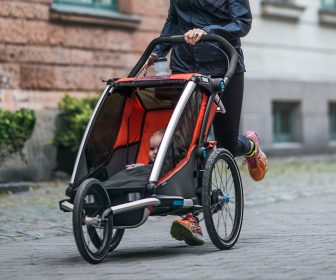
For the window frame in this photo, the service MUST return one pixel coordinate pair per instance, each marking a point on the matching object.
(326, 5)
(293, 121)
(287, 10)
(332, 121)
(74, 12)
(113, 6)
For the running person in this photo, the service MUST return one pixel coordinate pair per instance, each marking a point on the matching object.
(232, 20)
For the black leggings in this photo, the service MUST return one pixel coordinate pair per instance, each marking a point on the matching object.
(226, 126)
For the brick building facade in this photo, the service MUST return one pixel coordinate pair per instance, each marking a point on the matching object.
(48, 49)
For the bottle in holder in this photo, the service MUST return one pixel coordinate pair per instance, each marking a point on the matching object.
(161, 67)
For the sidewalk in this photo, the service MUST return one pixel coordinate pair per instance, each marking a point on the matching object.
(285, 240)
(289, 232)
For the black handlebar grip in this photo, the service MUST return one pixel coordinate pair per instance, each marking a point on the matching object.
(179, 39)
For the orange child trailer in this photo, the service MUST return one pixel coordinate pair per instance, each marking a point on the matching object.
(189, 174)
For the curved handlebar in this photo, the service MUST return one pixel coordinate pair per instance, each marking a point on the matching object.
(179, 39)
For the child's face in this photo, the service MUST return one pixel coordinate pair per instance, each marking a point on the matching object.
(154, 144)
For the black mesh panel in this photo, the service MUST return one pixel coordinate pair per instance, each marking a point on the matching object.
(104, 131)
(163, 97)
(183, 134)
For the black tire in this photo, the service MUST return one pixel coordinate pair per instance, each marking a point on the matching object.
(93, 242)
(222, 199)
(115, 240)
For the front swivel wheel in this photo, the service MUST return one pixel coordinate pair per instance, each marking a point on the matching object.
(92, 234)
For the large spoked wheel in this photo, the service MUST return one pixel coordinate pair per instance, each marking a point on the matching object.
(222, 199)
(92, 234)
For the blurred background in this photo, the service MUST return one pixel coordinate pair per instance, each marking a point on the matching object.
(53, 48)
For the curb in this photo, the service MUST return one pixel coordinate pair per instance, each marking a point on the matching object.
(15, 187)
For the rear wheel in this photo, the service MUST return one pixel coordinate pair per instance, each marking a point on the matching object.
(222, 199)
(92, 234)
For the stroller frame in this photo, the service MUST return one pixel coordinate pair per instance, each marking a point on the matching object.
(90, 201)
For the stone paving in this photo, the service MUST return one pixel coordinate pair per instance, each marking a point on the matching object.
(288, 237)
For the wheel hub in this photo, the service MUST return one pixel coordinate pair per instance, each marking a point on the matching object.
(219, 199)
(93, 221)
(224, 199)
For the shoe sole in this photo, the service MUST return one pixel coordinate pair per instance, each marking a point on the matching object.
(181, 232)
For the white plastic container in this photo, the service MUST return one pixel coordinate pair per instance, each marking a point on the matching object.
(161, 67)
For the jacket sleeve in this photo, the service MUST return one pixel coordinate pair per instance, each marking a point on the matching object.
(240, 24)
(169, 29)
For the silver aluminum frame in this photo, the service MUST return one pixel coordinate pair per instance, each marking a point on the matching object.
(220, 105)
(133, 205)
(125, 207)
(189, 89)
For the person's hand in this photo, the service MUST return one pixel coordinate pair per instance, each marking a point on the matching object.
(134, 165)
(194, 35)
(149, 62)
(151, 59)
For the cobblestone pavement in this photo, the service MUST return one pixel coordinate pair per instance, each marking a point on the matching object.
(286, 234)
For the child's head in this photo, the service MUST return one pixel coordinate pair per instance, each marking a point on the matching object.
(154, 144)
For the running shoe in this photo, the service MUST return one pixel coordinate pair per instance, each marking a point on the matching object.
(256, 159)
(188, 229)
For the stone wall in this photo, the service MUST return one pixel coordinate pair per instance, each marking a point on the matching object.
(47, 54)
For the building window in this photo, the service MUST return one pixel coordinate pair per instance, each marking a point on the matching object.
(286, 122)
(281, 9)
(329, 4)
(93, 12)
(332, 121)
(97, 4)
(327, 12)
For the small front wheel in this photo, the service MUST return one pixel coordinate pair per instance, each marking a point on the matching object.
(92, 234)
(222, 199)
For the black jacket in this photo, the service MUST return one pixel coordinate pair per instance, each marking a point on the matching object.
(228, 18)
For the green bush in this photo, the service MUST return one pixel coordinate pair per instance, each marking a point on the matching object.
(15, 129)
(74, 116)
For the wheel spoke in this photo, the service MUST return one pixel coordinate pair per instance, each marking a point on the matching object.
(224, 221)
(230, 176)
(218, 220)
(219, 215)
(228, 210)
(213, 208)
(226, 175)
(221, 178)
(215, 185)
(230, 188)
(215, 175)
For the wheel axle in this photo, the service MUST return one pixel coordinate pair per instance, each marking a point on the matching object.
(224, 198)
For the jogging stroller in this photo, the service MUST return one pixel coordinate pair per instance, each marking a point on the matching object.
(189, 174)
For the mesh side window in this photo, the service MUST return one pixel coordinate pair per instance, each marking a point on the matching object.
(163, 97)
(183, 134)
(104, 131)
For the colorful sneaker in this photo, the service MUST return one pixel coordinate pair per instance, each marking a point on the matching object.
(256, 160)
(188, 229)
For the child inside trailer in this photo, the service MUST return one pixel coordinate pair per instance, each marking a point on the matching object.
(137, 174)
